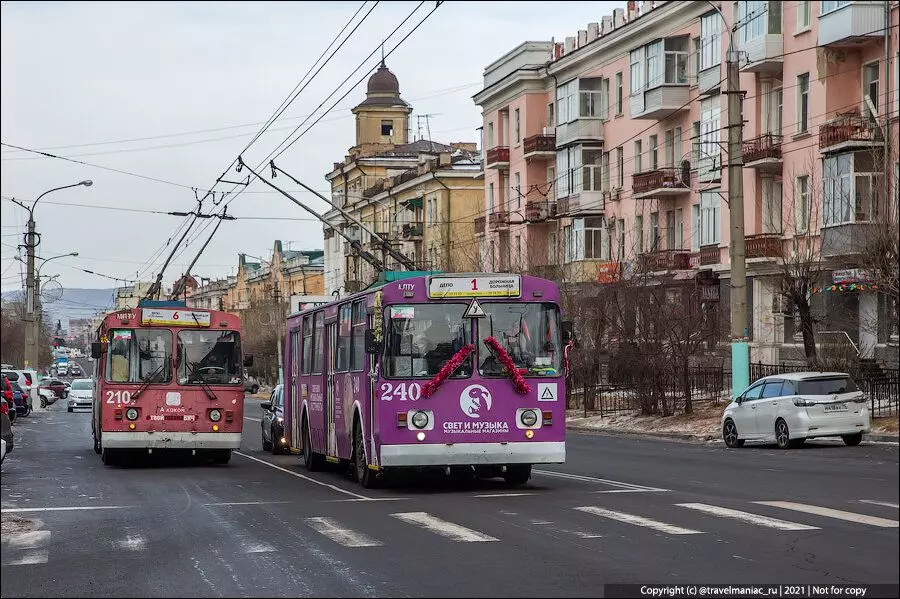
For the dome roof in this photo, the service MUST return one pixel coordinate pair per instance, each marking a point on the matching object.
(383, 81)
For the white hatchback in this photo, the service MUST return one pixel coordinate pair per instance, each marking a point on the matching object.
(81, 394)
(790, 408)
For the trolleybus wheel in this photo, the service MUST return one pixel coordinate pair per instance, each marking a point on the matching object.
(517, 474)
(97, 448)
(222, 456)
(267, 445)
(312, 460)
(364, 475)
(109, 457)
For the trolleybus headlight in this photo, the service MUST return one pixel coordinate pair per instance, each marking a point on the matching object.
(215, 415)
(131, 414)
(529, 417)
(420, 419)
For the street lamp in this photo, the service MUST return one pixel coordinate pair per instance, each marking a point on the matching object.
(31, 242)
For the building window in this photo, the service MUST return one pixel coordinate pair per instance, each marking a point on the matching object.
(853, 185)
(803, 14)
(695, 227)
(676, 143)
(772, 100)
(803, 103)
(620, 167)
(387, 128)
(654, 153)
(653, 241)
(637, 156)
(518, 190)
(669, 148)
(516, 124)
(604, 171)
(710, 217)
(831, 5)
(636, 80)
(679, 229)
(491, 197)
(619, 93)
(567, 102)
(676, 60)
(670, 230)
(639, 234)
(620, 237)
(490, 135)
(550, 115)
(870, 85)
(771, 205)
(551, 183)
(710, 133)
(757, 18)
(802, 205)
(568, 165)
(695, 143)
(710, 41)
(604, 99)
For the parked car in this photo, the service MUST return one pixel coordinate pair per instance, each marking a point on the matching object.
(26, 378)
(251, 385)
(273, 422)
(791, 408)
(8, 396)
(21, 401)
(6, 432)
(57, 386)
(81, 394)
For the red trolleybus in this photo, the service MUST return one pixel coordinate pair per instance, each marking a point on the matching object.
(168, 377)
(462, 370)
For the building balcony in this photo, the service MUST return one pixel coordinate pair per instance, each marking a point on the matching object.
(659, 102)
(848, 239)
(709, 80)
(763, 153)
(498, 157)
(709, 254)
(657, 183)
(582, 129)
(763, 54)
(537, 210)
(498, 220)
(665, 260)
(480, 222)
(353, 286)
(583, 202)
(412, 231)
(854, 23)
(542, 146)
(847, 132)
(764, 245)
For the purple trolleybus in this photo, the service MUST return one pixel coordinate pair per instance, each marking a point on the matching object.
(441, 370)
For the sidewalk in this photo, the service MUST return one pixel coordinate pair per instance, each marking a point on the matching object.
(701, 426)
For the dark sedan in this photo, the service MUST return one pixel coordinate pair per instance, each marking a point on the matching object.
(273, 422)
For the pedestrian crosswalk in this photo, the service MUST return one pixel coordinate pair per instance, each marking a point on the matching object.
(609, 516)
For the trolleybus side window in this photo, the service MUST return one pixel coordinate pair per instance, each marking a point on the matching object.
(139, 355)
(421, 338)
(318, 346)
(209, 357)
(343, 342)
(358, 351)
(530, 334)
(307, 344)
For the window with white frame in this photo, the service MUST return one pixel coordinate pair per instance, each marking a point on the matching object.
(551, 183)
(710, 41)
(654, 153)
(695, 60)
(771, 106)
(803, 103)
(604, 171)
(668, 148)
(854, 183)
(639, 234)
(636, 161)
(591, 238)
(677, 50)
(490, 135)
(491, 197)
(803, 15)
(593, 97)
(653, 239)
(695, 143)
(567, 102)
(771, 189)
(710, 217)
(832, 5)
(550, 116)
(870, 84)
(620, 167)
(695, 227)
(756, 18)
(676, 144)
(710, 130)
(670, 230)
(679, 229)
(619, 93)
(636, 81)
(802, 204)
(568, 165)
(604, 99)
(516, 124)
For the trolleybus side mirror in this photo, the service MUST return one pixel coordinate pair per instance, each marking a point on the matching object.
(568, 331)
(248, 360)
(96, 349)
(266, 405)
(373, 346)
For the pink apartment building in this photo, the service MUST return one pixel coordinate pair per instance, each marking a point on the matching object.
(609, 150)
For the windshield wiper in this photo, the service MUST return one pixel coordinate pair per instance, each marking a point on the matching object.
(148, 380)
(199, 378)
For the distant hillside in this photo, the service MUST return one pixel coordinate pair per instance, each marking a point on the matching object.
(74, 303)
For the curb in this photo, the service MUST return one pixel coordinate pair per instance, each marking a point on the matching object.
(871, 437)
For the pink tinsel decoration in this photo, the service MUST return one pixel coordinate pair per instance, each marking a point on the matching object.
(518, 380)
(447, 371)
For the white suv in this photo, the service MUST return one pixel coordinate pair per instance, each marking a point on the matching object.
(790, 408)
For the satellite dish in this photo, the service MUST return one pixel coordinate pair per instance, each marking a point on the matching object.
(51, 292)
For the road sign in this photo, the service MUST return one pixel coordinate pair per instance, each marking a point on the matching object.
(474, 310)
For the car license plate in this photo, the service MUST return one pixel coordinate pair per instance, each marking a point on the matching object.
(836, 407)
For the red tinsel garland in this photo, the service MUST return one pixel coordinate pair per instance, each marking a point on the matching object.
(447, 371)
(518, 380)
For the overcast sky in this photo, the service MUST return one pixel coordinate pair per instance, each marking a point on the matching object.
(189, 84)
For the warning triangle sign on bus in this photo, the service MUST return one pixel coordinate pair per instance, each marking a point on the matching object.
(474, 310)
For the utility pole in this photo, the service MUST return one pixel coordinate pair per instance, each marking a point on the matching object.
(740, 349)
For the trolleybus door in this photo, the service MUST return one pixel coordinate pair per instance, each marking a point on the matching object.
(331, 333)
(295, 388)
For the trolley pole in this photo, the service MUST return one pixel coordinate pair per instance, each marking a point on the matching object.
(740, 349)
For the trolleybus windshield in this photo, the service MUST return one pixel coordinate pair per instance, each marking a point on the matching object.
(139, 355)
(530, 334)
(209, 357)
(420, 338)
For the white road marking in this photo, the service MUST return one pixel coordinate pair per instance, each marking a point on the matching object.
(366, 499)
(304, 477)
(443, 528)
(11, 510)
(332, 529)
(258, 548)
(882, 503)
(638, 521)
(228, 503)
(757, 519)
(590, 479)
(28, 540)
(503, 495)
(132, 543)
(832, 513)
(253, 419)
(39, 556)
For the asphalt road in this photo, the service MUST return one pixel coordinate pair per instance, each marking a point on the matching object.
(621, 510)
